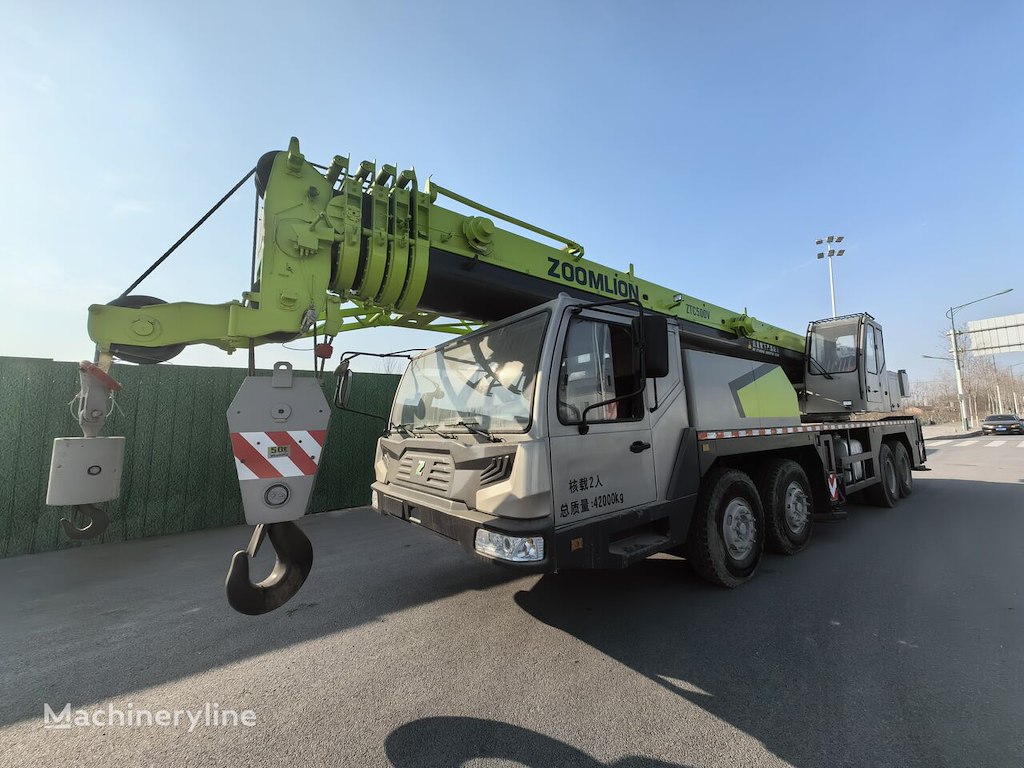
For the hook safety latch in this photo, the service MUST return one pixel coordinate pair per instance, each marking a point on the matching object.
(294, 562)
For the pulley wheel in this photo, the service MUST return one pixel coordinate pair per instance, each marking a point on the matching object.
(133, 353)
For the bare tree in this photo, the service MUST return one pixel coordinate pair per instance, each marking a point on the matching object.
(984, 382)
(391, 365)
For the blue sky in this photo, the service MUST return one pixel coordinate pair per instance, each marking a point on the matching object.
(707, 143)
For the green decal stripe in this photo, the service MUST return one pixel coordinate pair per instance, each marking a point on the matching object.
(764, 392)
(744, 382)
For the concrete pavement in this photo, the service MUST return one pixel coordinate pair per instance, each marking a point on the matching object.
(895, 639)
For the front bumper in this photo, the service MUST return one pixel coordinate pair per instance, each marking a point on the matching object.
(461, 525)
(591, 544)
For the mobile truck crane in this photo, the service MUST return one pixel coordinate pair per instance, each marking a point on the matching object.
(580, 418)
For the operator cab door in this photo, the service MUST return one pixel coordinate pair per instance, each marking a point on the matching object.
(874, 367)
(611, 467)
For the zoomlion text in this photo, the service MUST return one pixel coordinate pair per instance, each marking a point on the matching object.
(591, 280)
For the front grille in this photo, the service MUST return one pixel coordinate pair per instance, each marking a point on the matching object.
(436, 472)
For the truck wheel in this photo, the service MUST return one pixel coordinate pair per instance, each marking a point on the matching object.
(886, 492)
(904, 475)
(788, 506)
(727, 532)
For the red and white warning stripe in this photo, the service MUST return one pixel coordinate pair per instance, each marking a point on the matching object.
(254, 462)
(794, 430)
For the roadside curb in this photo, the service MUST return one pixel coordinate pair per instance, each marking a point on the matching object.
(955, 436)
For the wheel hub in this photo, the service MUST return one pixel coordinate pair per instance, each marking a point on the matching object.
(890, 477)
(739, 531)
(796, 508)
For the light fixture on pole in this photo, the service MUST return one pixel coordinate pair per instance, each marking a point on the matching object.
(951, 313)
(830, 252)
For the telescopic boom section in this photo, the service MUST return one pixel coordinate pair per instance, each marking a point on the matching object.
(357, 247)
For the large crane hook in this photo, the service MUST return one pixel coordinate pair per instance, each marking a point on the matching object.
(278, 427)
(294, 562)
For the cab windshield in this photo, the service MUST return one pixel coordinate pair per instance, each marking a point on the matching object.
(833, 347)
(484, 380)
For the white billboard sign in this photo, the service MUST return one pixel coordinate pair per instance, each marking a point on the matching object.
(996, 335)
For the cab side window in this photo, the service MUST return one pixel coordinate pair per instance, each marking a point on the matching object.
(879, 351)
(869, 349)
(598, 364)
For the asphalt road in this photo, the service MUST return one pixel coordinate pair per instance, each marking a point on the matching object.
(897, 639)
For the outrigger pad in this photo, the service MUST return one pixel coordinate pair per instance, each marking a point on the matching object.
(294, 562)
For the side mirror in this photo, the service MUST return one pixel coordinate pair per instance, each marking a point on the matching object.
(655, 336)
(904, 383)
(343, 389)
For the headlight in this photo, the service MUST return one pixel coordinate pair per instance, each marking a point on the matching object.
(513, 548)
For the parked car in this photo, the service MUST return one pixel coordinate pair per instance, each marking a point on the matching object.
(1002, 424)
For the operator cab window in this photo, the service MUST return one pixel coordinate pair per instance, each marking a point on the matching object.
(598, 364)
(834, 349)
(879, 351)
(869, 349)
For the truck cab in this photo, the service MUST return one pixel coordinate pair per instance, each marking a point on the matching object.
(508, 436)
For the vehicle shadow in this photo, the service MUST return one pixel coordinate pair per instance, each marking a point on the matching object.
(451, 742)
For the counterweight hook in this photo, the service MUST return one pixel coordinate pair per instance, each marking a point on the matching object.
(97, 522)
(294, 562)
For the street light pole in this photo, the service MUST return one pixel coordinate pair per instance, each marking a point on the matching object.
(956, 354)
(959, 375)
(1016, 407)
(830, 252)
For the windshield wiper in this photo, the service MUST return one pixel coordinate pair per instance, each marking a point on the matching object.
(405, 429)
(476, 429)
(434, 428)
(820, 367)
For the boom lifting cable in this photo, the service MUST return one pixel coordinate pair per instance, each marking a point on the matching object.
(185, 237)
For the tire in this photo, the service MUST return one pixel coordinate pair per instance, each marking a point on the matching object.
(904, 473)
(886, 492)
(726, 536)
(788, 506)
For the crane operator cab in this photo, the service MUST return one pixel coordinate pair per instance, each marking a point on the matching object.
(846, 371)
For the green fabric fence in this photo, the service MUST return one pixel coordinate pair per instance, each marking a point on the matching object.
(179, 474)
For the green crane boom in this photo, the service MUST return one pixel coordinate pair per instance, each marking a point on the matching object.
(356, 247)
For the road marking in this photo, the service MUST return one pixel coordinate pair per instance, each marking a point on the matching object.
(995, 443)
(965, 443)
(936, 443)
(1021, 445)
